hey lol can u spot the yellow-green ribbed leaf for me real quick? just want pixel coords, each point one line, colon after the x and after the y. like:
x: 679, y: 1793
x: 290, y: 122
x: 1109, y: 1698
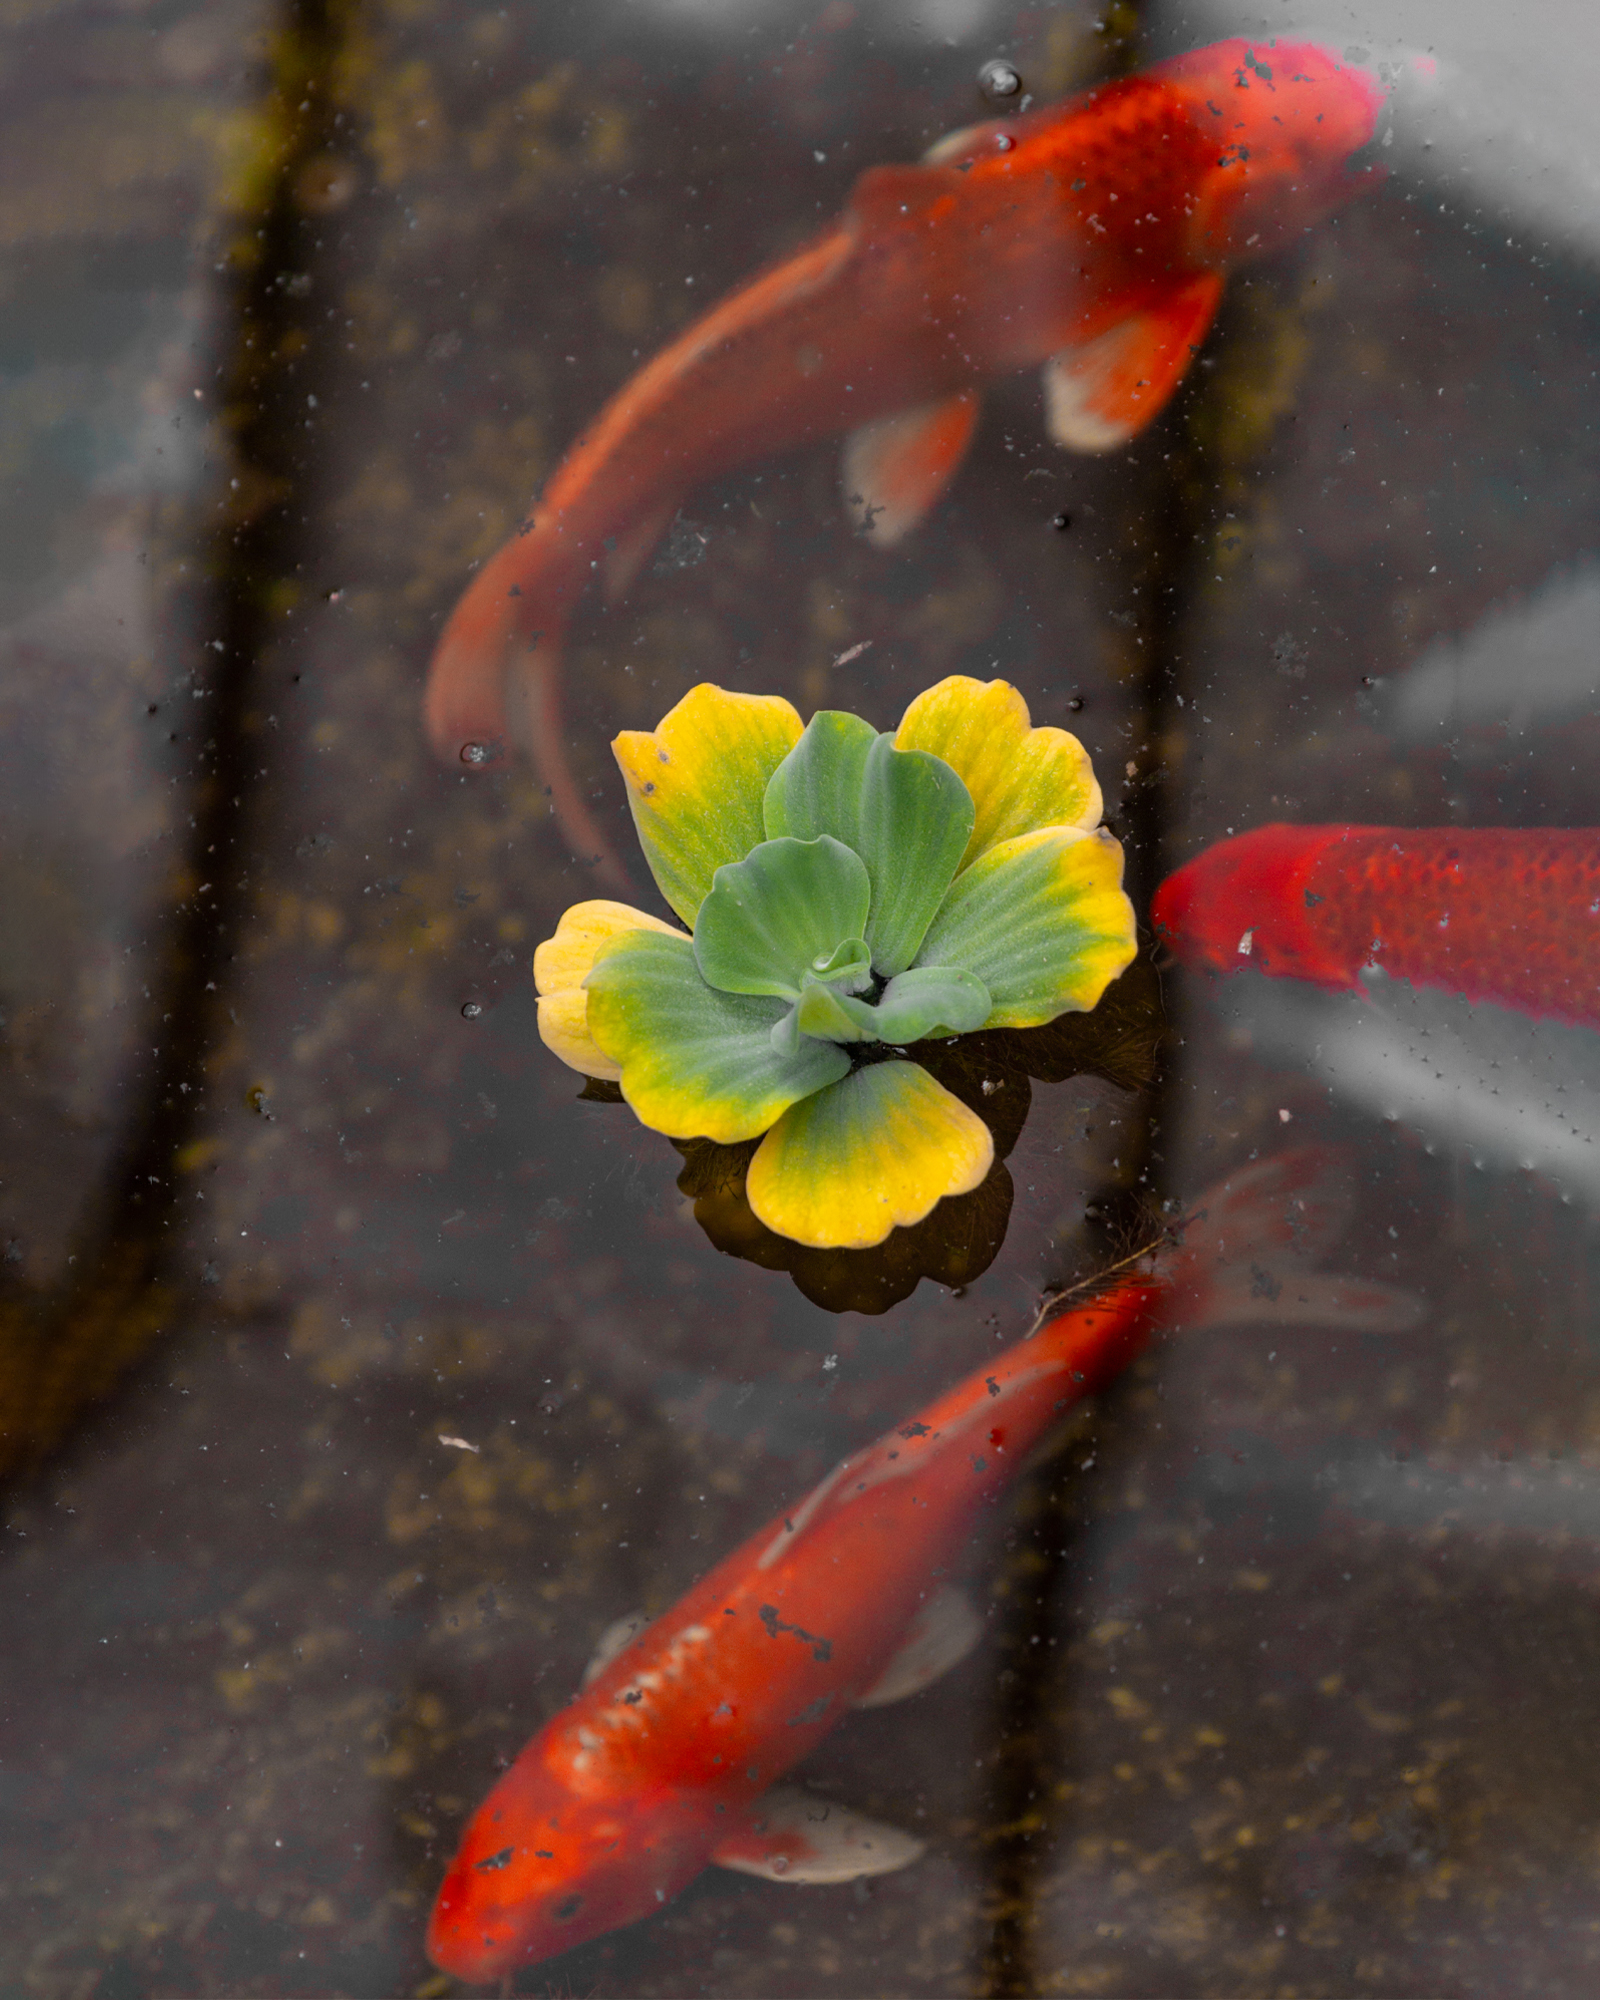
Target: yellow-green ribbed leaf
x: 565, y: 960
x: 564, y: 1030
x: 696, y: 782
x: 694, y: 1062
x: 1042, y: 921
x: 871, y: 1153
x: 1021, y: 778
x: 561, y: 965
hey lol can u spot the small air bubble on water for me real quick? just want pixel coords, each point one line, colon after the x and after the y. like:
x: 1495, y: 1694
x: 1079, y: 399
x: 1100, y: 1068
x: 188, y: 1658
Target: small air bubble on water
x: 471, y: 1009
x: 474, y: 753
x: 999, y: 79
x: 1076, y: 704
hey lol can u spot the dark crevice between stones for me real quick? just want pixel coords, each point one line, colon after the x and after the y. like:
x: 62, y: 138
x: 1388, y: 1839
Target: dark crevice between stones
x: 1169, y: 511
x: 63, y: 1351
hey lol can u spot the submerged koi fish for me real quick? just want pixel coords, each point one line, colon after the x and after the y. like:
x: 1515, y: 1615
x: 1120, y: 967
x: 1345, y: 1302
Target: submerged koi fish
x: 663, y: 1762
x: 1092, y: 237
x: 1510, y: 915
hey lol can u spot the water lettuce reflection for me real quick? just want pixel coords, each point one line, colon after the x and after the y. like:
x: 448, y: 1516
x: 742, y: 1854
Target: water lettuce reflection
x: 666, y: 1760
x: 1092, y: 238
x: 850, y: 895
x: 993, y: 1074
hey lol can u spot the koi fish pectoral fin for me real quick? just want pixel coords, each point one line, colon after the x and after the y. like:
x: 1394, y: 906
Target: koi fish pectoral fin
x: 1099, y: 393
x: 619, y: 1633
x: 896, y: 468
x: 940, y: 1637
x: 793, y: 1836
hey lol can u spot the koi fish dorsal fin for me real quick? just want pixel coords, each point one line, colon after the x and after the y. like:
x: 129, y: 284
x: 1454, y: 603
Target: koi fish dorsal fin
x: 1099, y: 393
x: 793, y: 1836
x: 889, y: 197
x: 896, y: 468
x: 619, y: 1633
x: 940, y: 1637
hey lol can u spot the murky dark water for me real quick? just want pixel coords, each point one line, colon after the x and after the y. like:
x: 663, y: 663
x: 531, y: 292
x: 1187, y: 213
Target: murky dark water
x: 1289, y: 1667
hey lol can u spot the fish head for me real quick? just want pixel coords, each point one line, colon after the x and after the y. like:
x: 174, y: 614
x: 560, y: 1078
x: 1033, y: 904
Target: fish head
x: 540, y: 1869
x: 1247, y: 903
x: 1286, y: 117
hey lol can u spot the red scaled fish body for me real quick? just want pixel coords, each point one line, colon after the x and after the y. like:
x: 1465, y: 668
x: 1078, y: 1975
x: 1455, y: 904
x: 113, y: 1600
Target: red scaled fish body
x: 1092, y: 237
x: 659, y: 1765
x: 1510, y: 915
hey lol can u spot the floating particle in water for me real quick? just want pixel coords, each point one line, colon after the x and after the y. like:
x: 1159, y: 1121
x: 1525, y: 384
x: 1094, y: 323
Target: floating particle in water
x: 1061, y: 523
x: 1076, y: 704
x: 999, y: 79
x: 474, y: 753
x: 684, y: 547
x: 471, y: 1009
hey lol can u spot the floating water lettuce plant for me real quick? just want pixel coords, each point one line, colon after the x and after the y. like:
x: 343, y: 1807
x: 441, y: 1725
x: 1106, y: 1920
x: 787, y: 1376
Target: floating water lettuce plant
x: 848, y: 895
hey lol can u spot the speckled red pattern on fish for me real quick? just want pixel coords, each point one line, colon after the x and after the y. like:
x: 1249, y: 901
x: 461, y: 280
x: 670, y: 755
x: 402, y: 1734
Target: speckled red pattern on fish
x: 1504, y: 914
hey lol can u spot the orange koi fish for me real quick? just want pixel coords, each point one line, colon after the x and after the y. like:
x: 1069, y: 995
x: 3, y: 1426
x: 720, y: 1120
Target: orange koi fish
x: 666, y: 1760
x: 1505, y: 914
x: 1092, y: 237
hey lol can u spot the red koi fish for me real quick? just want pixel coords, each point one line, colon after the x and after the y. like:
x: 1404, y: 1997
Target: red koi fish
x: 664, y: 1761
x: 1510, y: 915
x: 1092, y: 237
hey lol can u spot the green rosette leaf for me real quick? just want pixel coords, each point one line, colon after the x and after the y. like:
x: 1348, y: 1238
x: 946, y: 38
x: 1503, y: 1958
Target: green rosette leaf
x: 780, y: 916
x: 834, y: 1016
x: 1042, y: 920
x: 906, y: 814
x: 817, y: 787
x: 696, y: 1062
x: 931, y: 1000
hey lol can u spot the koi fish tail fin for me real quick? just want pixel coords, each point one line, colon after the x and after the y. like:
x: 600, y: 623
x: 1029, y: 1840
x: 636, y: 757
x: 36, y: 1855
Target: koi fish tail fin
x: 1251, y: 1244
x: 494, y: 684
x: 533, y: 716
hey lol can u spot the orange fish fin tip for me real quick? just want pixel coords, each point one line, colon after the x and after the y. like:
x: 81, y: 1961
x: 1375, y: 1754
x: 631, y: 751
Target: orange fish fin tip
x: 898, y: 467
x: 1099, y: 393
x: 1286, y: 1294
x: 619, y: 1633
x: 793, y: 1836
x: 1247, y: 1252
x: 940, y: 1637
x: 631, y: 550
